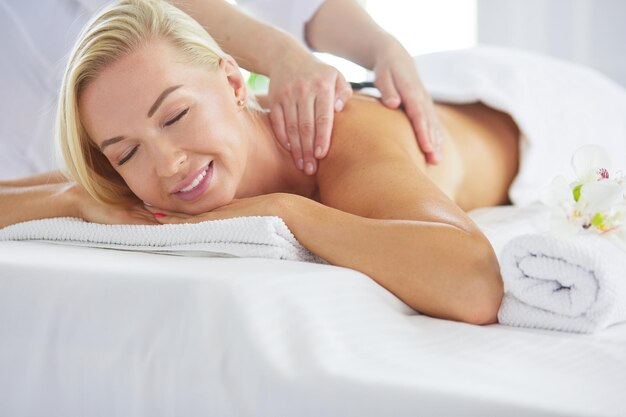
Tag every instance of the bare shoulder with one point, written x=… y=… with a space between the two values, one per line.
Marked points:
x=375 y=169
x=367 y=129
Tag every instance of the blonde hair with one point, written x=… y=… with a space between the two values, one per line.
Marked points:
x=114 y=32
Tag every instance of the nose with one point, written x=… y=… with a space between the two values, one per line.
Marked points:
x=168 y=159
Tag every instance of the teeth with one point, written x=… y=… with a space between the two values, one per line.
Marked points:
x=195 y=182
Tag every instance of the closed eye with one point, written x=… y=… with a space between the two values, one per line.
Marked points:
x=177 y=118
x=128 y=156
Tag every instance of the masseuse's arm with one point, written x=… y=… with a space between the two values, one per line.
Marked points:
x=304 y=92
x=343 y=28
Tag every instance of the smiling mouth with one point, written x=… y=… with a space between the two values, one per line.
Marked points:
x=196 y=181
x=198 y=185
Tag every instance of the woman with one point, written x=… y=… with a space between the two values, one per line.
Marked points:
x=159 y=126
x=304 y=92
x=144 y=126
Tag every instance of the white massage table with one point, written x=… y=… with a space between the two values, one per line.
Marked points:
x=97 y=332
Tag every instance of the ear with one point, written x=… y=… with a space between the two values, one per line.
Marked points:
x=231 y=70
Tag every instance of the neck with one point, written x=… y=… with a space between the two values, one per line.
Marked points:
x=270 y=167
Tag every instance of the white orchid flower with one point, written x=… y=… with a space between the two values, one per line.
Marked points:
x=591 y=163
x=596 y=201
x=600 y=196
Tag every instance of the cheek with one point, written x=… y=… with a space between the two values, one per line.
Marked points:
x=143 y=187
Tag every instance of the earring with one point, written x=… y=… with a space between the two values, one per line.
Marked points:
x=241 y=102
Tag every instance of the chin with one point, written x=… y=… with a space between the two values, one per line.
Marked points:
x=212 y=203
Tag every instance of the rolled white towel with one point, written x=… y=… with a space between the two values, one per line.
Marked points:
x=575 y=284
x=254 y=236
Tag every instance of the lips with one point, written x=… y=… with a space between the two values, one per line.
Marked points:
x=195 y=184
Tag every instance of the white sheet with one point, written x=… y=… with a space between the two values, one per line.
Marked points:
x=89 y=331
x=558 y=106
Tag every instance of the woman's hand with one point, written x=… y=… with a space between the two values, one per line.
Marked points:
x=262 y=205
x=91 y=210
x=397 y=79
x=303 y=95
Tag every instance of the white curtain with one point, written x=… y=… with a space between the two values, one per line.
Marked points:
x=591 y=32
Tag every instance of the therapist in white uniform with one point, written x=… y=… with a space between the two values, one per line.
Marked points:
x=37 y=35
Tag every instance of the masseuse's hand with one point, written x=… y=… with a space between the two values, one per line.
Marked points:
x=91 y=210
x=397 y=79
x=303 y=95
x=262 y=205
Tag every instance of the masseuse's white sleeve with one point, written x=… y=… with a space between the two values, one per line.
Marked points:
x=35 y=39
x=289 y=15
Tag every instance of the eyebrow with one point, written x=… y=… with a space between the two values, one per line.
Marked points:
x=111 y=141
x=151 y=112
x=162 y=97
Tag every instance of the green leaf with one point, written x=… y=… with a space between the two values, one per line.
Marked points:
x=597 y=220
x=576 y=191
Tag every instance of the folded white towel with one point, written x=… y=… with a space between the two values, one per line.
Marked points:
x=576 y=284
x=255 y=236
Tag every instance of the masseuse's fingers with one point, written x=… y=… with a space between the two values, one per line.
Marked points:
x=328 y=100
x=343 y=92
x=277 y=117
x=420 y=109
x=415 y=109
x=303 y=95
x=394 y=94
x=324 y=116
x=306 y=127
x=398 y=81
x=316 y=109
x=385 y=84
x=293 y=134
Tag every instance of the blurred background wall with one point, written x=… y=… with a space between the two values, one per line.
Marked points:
x=590 y=32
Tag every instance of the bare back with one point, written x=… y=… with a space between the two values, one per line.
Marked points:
x=376 y=170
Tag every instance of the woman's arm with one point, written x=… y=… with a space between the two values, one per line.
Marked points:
x=381 y=215
x=440 y=268
x=402 y=230
x=37 y=197
x=436 y=268
x=32 y=198
x=52 y=177
x=52 y=195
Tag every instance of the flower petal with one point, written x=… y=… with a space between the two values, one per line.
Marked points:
x=600 y=195
x=588 y=159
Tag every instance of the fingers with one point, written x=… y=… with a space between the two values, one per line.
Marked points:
x=386 y=85
x=307 y=130
x=421 y=112
x=277 y=119
x=438 y=138
x=419 y=120
x=164 y=216
x=303 y=122
x=325 y=105
x=293 y=134
x=343 y=92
